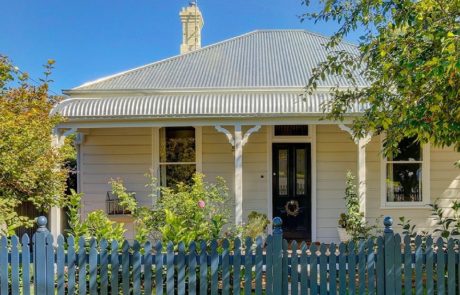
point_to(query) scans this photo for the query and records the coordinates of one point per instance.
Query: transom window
(291, 130)
(177, 155)
(405, 174)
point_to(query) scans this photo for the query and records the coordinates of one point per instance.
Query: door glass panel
(283, 172)
(300, 172)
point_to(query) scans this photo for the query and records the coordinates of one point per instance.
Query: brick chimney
(192, 23)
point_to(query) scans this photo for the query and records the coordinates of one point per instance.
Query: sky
(90, 39)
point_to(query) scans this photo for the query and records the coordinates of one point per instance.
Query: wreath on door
(292, 208)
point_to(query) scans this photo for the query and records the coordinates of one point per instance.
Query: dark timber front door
(292, 188)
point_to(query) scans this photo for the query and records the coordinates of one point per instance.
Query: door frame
(311, 138)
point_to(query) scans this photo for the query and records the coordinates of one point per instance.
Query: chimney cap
(192, 3)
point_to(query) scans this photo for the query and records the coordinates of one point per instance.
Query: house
(235, 109)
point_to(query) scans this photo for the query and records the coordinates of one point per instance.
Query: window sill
(404, 206)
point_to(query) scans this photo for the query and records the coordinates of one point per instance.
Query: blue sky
(90, 39)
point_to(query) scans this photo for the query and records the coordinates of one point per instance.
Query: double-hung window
(177, 155)
(406, 175)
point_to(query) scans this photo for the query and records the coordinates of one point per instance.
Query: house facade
(237, 109)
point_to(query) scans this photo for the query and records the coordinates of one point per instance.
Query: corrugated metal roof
(272, 58)
(193, 105)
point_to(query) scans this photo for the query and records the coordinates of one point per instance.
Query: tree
(31, 169)
(409, 52)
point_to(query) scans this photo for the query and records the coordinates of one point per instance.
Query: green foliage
(96, 225)
(409, 52)
(407, 227)
(353, 219)
(256, 225)
(196, 211)
(31, 169)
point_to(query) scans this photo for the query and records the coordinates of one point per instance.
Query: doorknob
(274, 173)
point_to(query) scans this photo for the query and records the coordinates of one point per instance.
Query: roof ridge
(166, 59)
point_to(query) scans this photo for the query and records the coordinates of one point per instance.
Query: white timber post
(238, 175)
(55, 214)
(362, 188)
(238, 140)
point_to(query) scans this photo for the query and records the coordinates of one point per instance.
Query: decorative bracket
(230, 137)
(227, 133)
(361, 141)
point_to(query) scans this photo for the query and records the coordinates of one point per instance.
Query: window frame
(197, 162)
(426, 198)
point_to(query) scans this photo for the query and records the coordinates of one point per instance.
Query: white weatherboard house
(233, 109)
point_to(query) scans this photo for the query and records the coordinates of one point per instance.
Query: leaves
(409, 52)
(31, 169)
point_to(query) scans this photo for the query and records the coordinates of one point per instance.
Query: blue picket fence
(386, 265)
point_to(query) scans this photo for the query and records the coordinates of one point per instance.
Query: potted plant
(342, 228)
(351, 224)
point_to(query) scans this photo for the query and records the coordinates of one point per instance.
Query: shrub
(196, 211)
(256, 225)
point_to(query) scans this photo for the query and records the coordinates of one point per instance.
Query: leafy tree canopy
(31, 169)
(409, 51)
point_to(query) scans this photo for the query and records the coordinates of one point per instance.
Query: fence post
(39, 248)
(389, 255)
(278, 275)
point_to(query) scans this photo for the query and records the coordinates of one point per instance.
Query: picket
(25, 263)
(181, 268)
(440, 267)
(192, 269)
(225, 268)
(398, 265)
(125, 277)
(362, 267)
(60, 265)
(147, 268)
(115, 267)
(203, 269)
(104, 263)
(237, 267)
(351, 267)
(4, 266)
(81, 266)
(343, 268)
(214, 268)
(429, 266)
(159, 269)
(303, 269)
(259, 266)
(294, 269)
(313, 269)
(407, 266)
(170, 268)
(323, 270)
(269, 266)
(14, 265)
(71, 265)
(136, 268)
(418, 266)
(450, 267)
(382, 266)
(93, 255)
(332, 269)
(370, 267)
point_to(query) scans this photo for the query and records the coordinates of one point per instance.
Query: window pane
(177, 144)
(283, 173)
(291, 130)
(409, 150)
(404, 182)
(171, 175)
(300, 172)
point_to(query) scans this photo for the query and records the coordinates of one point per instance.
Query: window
(291, 130)
(113, 206)
(405, 175)
(177, 155)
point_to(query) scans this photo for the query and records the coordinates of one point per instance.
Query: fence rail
(386, 265)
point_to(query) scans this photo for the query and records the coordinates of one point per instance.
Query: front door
(292, 188)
